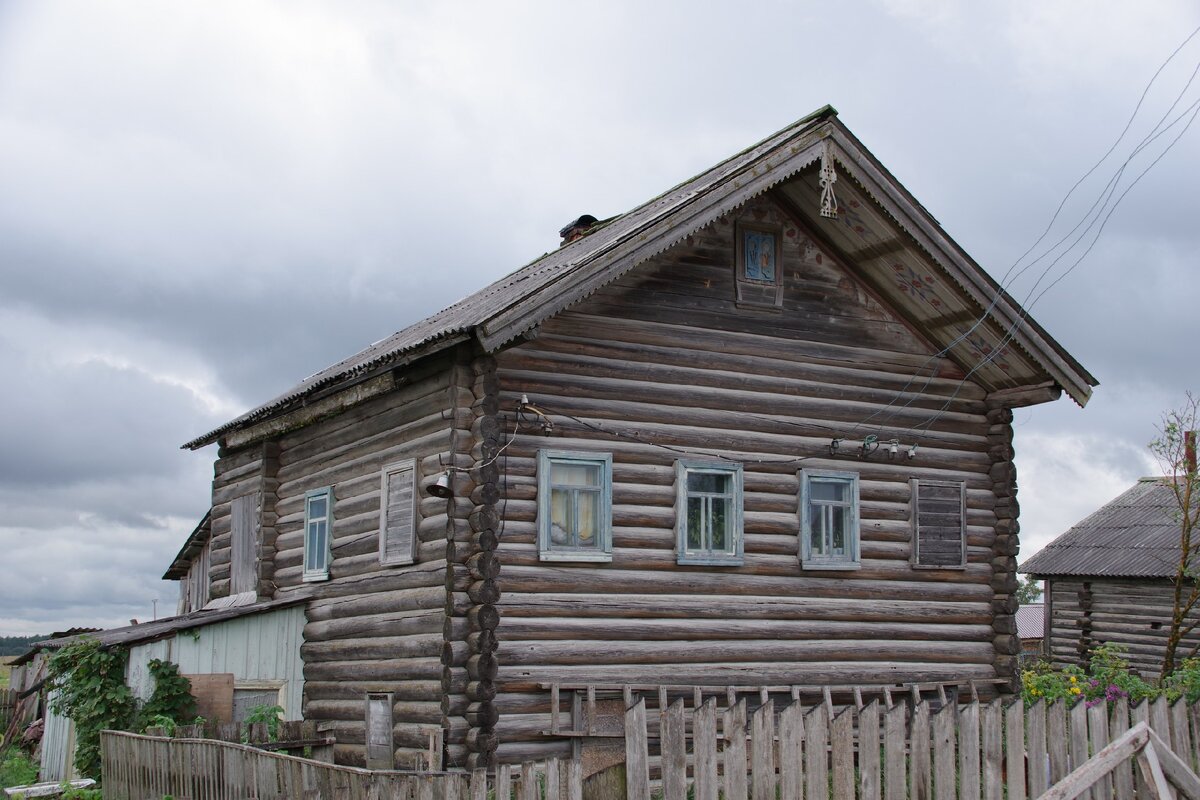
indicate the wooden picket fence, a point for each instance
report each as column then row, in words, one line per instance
column 135, row 767
column 998, row 750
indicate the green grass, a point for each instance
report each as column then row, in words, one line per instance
column 5, row 669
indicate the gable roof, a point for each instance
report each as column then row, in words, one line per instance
column 1134, row 536
column 1006, row 350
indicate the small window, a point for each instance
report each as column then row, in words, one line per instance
column 397, row 514
column 574, row 506
column 828, row 520
column 939, row 524
column 759, row 267
column 380, row 739
column 708, row 513
column 318, row 530
column 249, row 695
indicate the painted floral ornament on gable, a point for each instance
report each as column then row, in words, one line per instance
column 917, row 285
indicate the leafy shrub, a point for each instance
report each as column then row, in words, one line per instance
column 1108, row 678
column 91, row 690
column 17, row 768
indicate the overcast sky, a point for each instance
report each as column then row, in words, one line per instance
column 202, row 203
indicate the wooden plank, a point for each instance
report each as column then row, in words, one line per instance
column 504, row 781
column 637, row 766
column 841, row 738
column 1175, row 768
column 870, row 783
column 945, row 764
column 1160, row 723
column 1122, row 774
column 734, row 729
column 992, row 750
column 529, row 781
column 1098, row 737
column 1181, row 740
column 704, row 745
column 1078, row 738
column 1014, row 750
column 1140, row 713
column 791, row 752
column 1056, row 741
column 816, row 753
column 1152, row 774
column 1078, row 781
column 920, row 776
column 762, row 752
column 575, row 779
column 673, row 744
column 968, row 752
column 553, row 780
column 895, row 783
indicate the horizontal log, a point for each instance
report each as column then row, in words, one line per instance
column 413, row 596
column 835, row 673
column 390, row 669
column 515, row 630
column 766, row 607
column 399, row 623
column 429, row 691
column 714, row 652
column 373, row 648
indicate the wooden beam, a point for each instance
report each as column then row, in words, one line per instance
column 1023, row 396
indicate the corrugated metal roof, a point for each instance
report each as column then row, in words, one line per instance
column 158, row 629
column 1031, row 621
column 523, row 299
column 1135, row 535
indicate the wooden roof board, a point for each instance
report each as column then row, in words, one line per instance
column 522, row 300
column 1134, row 535
column 194, row 544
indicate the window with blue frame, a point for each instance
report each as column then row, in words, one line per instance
column 318, row 532
column 829, row 529
column 574, row 506
column 708, row 513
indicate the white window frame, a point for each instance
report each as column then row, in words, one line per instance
column 398, row 558
column 321, row 571
column 602, row 551
column 262, row 685
column 809, row 560
column 708, row 556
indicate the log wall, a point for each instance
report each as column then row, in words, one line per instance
column 370, row 628
column 667, row 366
column 1136, row 613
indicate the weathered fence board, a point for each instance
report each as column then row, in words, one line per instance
column 204, row 769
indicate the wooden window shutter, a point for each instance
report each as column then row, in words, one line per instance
column 380, row 744
column 397, row 515
column 243, row 570
column 939, row 518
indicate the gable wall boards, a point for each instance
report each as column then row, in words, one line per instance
column 665, row 356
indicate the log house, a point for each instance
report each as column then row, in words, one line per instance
column 756, row 431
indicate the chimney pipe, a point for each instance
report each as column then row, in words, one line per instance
column 1189, row 452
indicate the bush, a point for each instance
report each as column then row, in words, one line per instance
column 17, row 768
column 1107, row 679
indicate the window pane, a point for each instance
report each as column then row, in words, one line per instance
column 827, row 490
column 708, row 482
column 589, row 517
column 560, row 517
column 837, row 518
column 575, row 474
column 316, row 545
column 719, row 522
column 695, row 523
column 316, row 506
column 817, row 535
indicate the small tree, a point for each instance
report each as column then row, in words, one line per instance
column 1029, row 590
column 1175, row 449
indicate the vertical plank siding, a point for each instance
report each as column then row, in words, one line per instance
column 664, row 357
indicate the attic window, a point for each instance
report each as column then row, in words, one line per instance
column 759, row 265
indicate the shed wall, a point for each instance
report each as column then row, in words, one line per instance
column 1133, row 613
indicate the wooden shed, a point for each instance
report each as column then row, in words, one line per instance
column 1111, row 579
column 755, row 431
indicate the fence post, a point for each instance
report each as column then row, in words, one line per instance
column 868, row 751
column 945, row 765
column 704, row 743
column 920, row 773
column 895, row 782
column 841, row 736
column 816, row 754
column 1014, row 749
column 637, row 767
column 791, row 753
column 734, row 729
column 993, row 750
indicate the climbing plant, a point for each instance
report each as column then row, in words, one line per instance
column 89, row 687
column 172, row 698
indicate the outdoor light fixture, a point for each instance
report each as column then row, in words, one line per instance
column 442, row 487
